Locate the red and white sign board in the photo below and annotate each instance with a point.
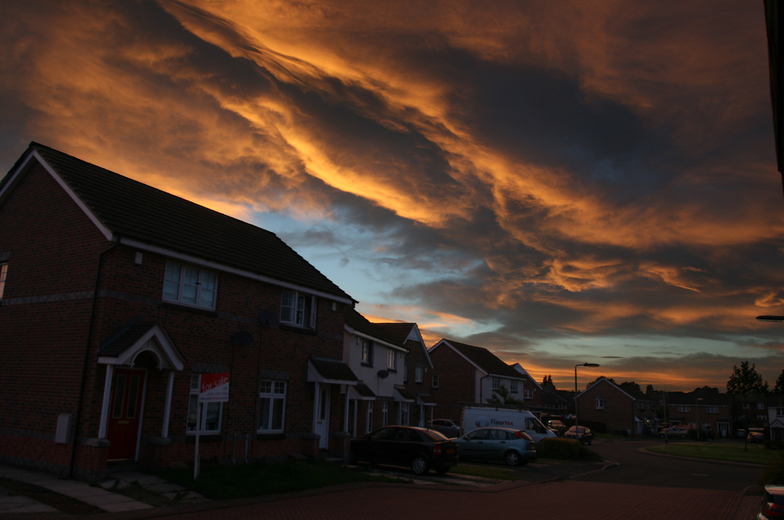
(214, 388)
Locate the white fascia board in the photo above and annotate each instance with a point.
(220, 267)
(378, 341)
(103, 229)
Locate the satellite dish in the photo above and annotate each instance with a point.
(382, 374)
(242, 338)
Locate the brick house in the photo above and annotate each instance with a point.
(705, 407)
(530, 390)
(419, 376)
(115, 297)
(618, 410)
(378, 360)
(469, 375)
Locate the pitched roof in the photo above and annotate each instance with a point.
(401, 331)
(129, 209)
(483, 358)
(361, 324)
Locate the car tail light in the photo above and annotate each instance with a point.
(519, 434)
(437, 450)
(773, 510)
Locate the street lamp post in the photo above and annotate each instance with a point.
(576, 408)
(697, 409)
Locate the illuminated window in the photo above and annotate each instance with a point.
(367, 351)
(391, 359)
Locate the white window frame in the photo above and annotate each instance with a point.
(528, 393)
(384, 413)
(404, 414)
(391, 359)
(369, 419)
(419, 374)
(712, 409)
(600, 403)
(760, 406)
(298, 309)
(193, 402)
(513, 386)
(365, 351)
(435, 381)
(273, 392)
(496, 383)
(684, 409)
(196, 294)
(3, 275)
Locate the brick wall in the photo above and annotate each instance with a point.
(457, 380)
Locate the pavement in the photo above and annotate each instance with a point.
(133, 495)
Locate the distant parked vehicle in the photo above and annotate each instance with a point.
(445, 426)
(772, 505)
(513, 447)
(678, 430)
(757, 437)
(557, 426)
(418, 448)
(580, 433)
(502, 417)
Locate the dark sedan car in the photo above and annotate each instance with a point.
(514, 447)
(417, 448)
(580, 433)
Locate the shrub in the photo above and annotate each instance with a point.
(774, 445)
(773, 474)
(565, 449)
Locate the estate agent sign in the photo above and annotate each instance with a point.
(213, 388)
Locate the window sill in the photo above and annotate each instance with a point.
(193, 308)
(299, 330)
(367, 364)
(270, 436)
(190, 438)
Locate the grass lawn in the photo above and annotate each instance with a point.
(756, 454)
(265, 478)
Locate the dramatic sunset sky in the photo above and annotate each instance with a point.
(558, 181)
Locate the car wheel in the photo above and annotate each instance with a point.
(419, 465)
(512, 458)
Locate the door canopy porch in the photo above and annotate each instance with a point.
(137, 338)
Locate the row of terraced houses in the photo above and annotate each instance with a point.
(116, 299)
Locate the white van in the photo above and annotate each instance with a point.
(483, 416)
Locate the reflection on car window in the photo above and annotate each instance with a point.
(478, 435)
(384, 434)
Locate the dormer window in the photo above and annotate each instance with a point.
(190, 285)
(298, 309)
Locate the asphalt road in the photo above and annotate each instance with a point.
(634, 466)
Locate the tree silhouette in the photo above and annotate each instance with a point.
(501, 396)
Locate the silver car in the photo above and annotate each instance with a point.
(444, 426)
(513, 447)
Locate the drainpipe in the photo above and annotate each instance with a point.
(87, 360)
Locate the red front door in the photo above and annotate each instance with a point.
(124, 411)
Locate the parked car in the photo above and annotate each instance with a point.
(755, 437)
(579, 433)
(772, 505)
(678, 430)
(513, 447)
(557, 426)
(418, 448)
(445, 426)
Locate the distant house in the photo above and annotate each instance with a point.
(419, 375)
(378, 360)
(706, 408)
(470, 375)
(618, 410)
(531, 391)
(118, 298)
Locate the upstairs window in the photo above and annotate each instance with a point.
(435, 381)
(3, 271)
(391, 360)
(513, 386)
(298, 309)
(496, 383)
(366, 349)
(600, 402)
(420, 374)
(190, 285)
